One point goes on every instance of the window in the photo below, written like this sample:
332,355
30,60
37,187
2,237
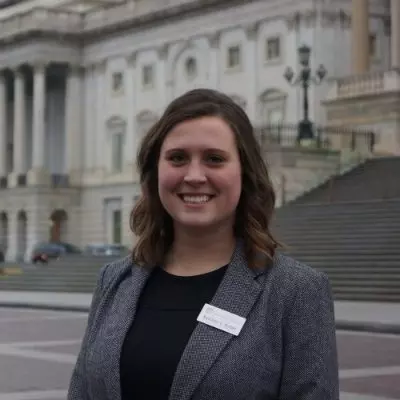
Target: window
116,127
117,82
148,75
112,209
116,226
272,109
117,147
372,45
191,67
145,120
233,57
273,48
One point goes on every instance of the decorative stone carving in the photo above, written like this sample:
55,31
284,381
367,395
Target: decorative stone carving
329,19
146,116
145,119
344,20
251,30
75,70
162,51
132,58
310,18
40,65
213,39
239,100
115,123
293,21
100,66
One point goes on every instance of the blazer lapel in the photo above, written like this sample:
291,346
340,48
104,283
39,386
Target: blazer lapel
123,309
237,294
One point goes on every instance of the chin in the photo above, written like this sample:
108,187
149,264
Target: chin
198,223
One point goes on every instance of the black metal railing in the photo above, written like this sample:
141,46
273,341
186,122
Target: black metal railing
335,138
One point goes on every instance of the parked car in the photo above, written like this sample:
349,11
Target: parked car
44,252
103,249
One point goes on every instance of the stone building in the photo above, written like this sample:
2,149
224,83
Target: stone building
369,96
81,81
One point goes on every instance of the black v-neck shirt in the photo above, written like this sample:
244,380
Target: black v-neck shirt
165,319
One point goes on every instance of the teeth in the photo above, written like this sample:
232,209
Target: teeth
196,199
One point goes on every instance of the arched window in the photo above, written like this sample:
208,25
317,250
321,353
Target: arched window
191,67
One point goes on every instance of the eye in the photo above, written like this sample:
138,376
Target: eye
177,158
215,159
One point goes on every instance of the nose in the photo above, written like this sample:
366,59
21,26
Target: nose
195,173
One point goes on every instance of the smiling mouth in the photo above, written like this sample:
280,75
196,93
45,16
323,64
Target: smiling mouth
195,199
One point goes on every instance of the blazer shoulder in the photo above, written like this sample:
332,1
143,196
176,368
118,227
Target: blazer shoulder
293,275
115,270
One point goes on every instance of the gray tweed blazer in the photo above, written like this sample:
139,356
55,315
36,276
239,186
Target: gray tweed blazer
286,349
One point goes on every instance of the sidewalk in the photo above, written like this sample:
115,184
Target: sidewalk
350,315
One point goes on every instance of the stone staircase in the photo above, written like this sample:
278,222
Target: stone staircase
76,274
375,178
356,243
348,227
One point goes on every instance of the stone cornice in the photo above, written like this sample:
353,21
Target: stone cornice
39,52
311,18
75,26
148,13
95,24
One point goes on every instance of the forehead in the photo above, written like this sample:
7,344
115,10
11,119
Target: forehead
205,132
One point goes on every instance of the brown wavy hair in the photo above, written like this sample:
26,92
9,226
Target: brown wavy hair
153,225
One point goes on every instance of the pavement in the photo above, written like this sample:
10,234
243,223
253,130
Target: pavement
350,315
38,350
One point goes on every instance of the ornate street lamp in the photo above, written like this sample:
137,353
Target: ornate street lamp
305,78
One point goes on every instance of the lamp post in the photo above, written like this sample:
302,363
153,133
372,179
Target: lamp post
305,78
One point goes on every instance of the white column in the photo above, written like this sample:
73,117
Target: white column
37,227
395,32
90,117
12,247
39,101
3,126
73,124
19,154
251,71
131,130
37,175
162,78
100,159
360,36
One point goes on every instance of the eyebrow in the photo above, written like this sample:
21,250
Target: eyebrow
210,149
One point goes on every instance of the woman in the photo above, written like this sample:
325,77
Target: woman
206,308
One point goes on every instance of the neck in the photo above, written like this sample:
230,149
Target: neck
195,253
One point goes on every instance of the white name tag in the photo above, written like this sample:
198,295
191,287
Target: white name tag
221,319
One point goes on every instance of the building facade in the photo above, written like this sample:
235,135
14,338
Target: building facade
82,81
369,97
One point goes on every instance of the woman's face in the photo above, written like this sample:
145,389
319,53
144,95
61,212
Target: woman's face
199,174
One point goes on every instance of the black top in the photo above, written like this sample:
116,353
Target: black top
166,317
